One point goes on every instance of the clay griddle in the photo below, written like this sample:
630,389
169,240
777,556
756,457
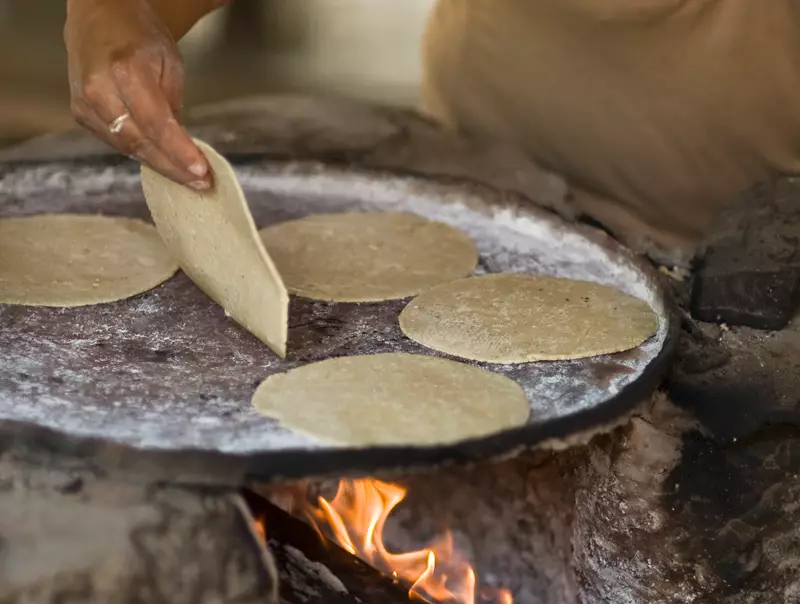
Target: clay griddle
162,382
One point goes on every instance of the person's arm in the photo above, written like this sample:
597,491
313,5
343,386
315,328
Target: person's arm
126,79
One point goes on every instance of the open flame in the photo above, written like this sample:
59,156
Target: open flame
355,519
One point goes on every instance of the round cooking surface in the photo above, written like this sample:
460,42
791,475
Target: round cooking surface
165,378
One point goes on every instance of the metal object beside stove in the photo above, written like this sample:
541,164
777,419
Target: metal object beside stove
164,380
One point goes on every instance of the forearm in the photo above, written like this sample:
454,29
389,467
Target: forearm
180,15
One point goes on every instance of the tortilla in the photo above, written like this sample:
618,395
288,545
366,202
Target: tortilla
367,257
511,318
392,399
214,237
65,260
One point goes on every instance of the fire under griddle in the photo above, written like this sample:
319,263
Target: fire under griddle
163,381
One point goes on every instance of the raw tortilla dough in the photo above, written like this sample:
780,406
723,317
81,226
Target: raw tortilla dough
68,260
367,257
513,318
392,399
215,239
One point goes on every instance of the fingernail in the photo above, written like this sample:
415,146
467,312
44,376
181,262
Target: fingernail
198,169
199,185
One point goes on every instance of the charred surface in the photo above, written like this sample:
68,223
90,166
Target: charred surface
750,274
737,380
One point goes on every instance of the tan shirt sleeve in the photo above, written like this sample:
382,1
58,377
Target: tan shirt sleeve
656,111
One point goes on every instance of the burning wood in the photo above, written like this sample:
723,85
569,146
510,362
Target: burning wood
355,520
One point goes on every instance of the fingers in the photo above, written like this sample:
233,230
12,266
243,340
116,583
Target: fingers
153,114
148,89
102,106
150,157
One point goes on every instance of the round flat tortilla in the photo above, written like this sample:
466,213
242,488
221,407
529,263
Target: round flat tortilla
511,318
392,399
367,257
214,237
66,260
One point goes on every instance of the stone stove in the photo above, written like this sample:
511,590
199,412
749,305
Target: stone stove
693,502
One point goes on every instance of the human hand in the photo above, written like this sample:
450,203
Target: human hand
126,85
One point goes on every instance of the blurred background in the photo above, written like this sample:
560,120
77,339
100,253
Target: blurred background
367,49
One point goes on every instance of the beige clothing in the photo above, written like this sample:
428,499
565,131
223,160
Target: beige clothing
657,110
